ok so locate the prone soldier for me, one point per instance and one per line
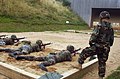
(26, 48)
(52, 58)
(100, 41)
(10, 41)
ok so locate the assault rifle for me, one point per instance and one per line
(74, 52)
(18, 39)
(7, 50)
(2, 36)
(45, 45)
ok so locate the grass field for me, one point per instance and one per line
(37, 15)
(115, 75)
(17, 27)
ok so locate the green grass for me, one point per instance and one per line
(115, 75)
(37, 15)
(18, 27)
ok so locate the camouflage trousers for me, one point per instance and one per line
(47, 60)
(102, 55)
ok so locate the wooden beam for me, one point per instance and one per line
(16, 73)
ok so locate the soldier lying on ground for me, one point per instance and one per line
(52, 58)
(26, 48)
(9, 41)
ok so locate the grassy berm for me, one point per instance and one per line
(37, 15)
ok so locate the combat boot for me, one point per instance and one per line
(42, 66)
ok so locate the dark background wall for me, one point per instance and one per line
(114, 12)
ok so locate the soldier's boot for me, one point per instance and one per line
(29, 58)
(14, 54)
(43, 67)
(44, 64)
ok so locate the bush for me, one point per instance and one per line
(65, 2)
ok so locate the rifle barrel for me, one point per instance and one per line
(46, 44)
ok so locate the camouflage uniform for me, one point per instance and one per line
(8, 41)
(50, 59)
(101, 40)
(24, 49)
(37, 46)
(27, 48)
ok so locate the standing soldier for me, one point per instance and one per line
(101, 40)
(52, 58)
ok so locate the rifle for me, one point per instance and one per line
(2, 36)
(74, 52)
(45, 45)
(7, 50)
(17, 39)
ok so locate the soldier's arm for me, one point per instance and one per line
(112, 37)
(69, 57)
(94, 35)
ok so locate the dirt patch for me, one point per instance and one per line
(59, 39)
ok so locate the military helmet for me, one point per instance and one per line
(13, 37)
(39, 42)
(70, 48)
(104, 14)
